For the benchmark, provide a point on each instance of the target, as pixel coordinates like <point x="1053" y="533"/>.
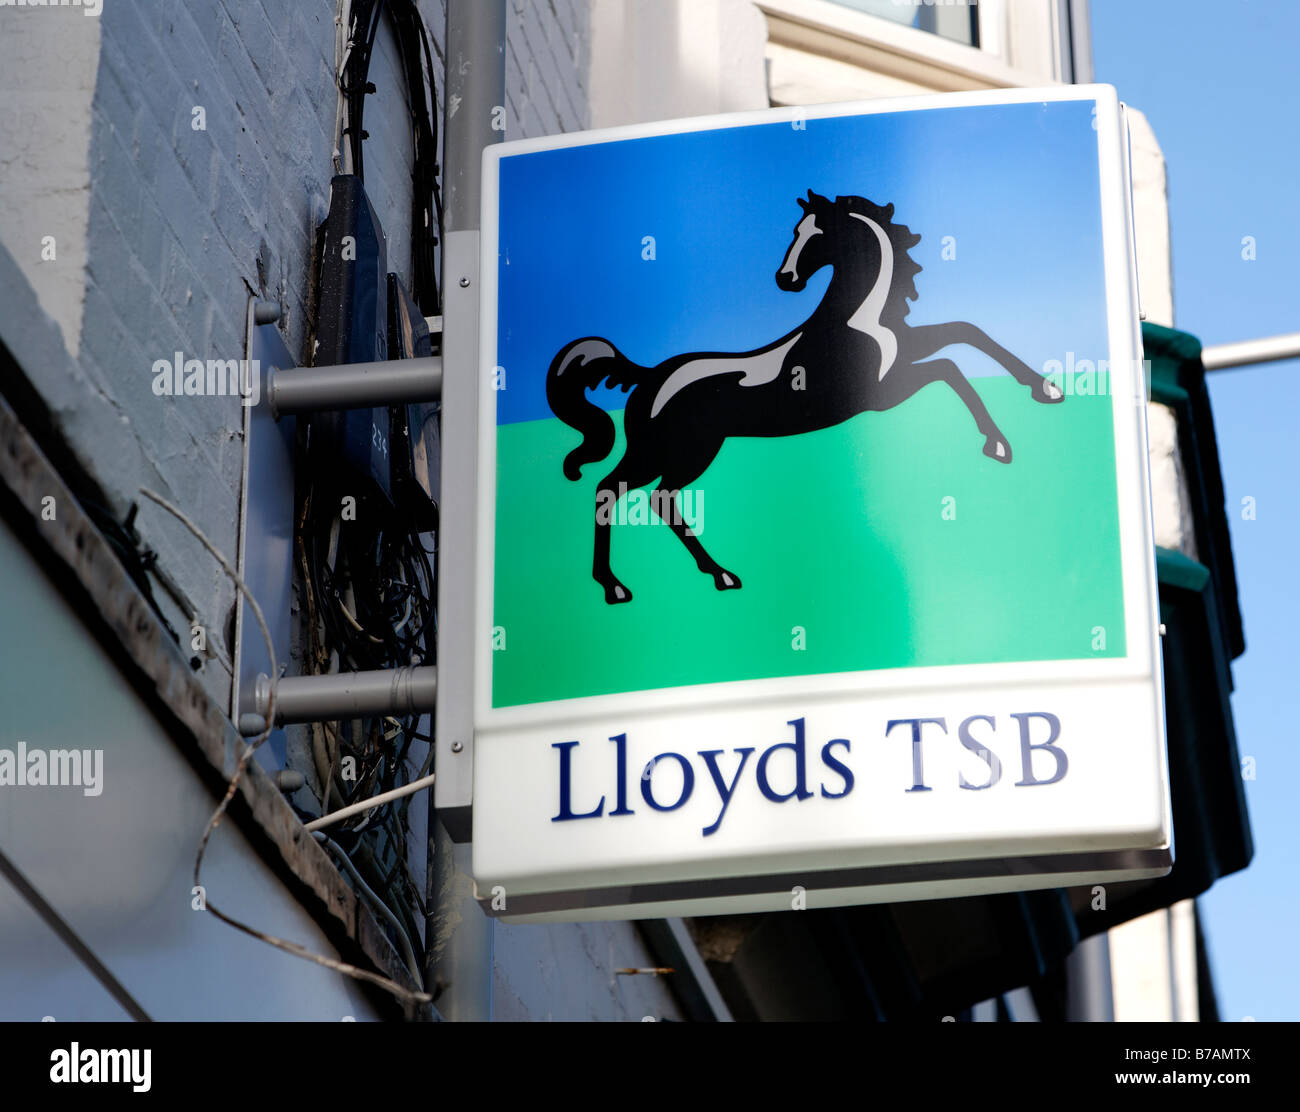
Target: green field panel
<point x="888" y="541"/>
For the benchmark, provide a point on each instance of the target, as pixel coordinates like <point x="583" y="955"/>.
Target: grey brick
<point x="565" y="46"/>
<point x="183" y="294"/>
<point x="563" y="14"/>
<point x="245" y="86"/>
<point x="251" y="169"/>
<point x="208" y="18"/>
<point x="130" y="41"/>
<point x="150" y="237"/>
<point x="535" y="36"/>
<point x="116" y="352"/>
<point x="177" y="199"/>
<point x="113" y="265"/>
<point x="258" y="38"/>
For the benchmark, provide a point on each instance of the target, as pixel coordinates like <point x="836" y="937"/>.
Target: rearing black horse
<point x="855" y="353"/>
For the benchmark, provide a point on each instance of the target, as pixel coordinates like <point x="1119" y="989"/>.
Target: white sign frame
<point x="521" y="877"/>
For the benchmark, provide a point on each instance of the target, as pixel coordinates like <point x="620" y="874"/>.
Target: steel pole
<point x="475" y="96"/>
<point x="460" y="936"/>
<point x="1222" y="356"/>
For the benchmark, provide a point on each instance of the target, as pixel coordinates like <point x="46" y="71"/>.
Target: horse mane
<point x="902" y="288"/>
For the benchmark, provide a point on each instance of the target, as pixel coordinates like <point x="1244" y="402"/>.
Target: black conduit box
<point x="353" y="446"/>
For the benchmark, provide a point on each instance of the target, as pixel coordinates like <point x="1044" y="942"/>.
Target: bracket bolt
<point x="456" y="746"/>
<point x="464" y="282"/>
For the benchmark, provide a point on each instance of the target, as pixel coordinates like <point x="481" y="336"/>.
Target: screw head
<point x="464" y="282"/>
<point x="456" y="746"/>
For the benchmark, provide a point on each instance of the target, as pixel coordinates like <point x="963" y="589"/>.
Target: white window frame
<point x="994" y="22"/>
<point x="881" y="45"/>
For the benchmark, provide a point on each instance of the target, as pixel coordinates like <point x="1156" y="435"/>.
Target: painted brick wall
<point x="180" y="225"/>
<point x="547" y="59"/>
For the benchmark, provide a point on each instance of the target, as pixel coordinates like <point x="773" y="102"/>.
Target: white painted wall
<point x="1141" y="969"/>
<point x="1153" y="967"/>
<point x="1151" y="221"/>
<point x="119" y="866"/>
<point x="48" y="61"/>
<point x="667" y="59"/>
<point x="819" y="51"/>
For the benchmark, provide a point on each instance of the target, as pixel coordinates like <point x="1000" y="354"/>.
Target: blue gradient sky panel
<point x="1015" y="185"/>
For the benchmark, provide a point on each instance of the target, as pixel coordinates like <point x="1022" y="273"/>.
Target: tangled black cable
<point x="369" y="597"/>
<point x="422" y="97"/>
<point x="368" y="586"/>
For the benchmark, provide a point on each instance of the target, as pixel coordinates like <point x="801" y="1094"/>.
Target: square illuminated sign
<point x="815" y="552"/>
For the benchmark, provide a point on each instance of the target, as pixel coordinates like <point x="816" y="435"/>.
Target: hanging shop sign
<point x="815" y="551"/>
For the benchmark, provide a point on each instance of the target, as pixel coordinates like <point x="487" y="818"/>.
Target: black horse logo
<point x="855" y="353"/>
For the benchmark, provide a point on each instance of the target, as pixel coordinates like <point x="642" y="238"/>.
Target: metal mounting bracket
<point x="341" y="695"/>
<point x="354" y="385"/>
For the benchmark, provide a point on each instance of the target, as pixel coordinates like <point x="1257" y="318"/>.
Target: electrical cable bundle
<point x="369" y="592"/>
<point x="368" y="586"/>
<point x="416" y="56"/>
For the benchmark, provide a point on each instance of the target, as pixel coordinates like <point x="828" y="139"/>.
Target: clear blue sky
<point x="1217" y="80"/>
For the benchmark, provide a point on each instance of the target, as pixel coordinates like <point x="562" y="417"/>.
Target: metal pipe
<point x="1221" y="356"/>
<point x="461" y="946"/>
<point x="476" y="82"/>
<point x="354" y="385"/>
<point x="395" y="691"/>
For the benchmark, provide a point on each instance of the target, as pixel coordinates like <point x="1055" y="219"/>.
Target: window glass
<point x="952" y="19"/>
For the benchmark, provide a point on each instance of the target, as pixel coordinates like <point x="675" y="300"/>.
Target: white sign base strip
<point x="844" y="800"/>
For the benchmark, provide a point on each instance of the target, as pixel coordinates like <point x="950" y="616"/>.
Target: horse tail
<point x="577" y="368"/>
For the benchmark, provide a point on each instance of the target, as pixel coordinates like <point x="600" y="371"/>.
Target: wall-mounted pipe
<point x="354" y="385"/>
<point x="399" y="692"/>
<point x="1243" y="353"/>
